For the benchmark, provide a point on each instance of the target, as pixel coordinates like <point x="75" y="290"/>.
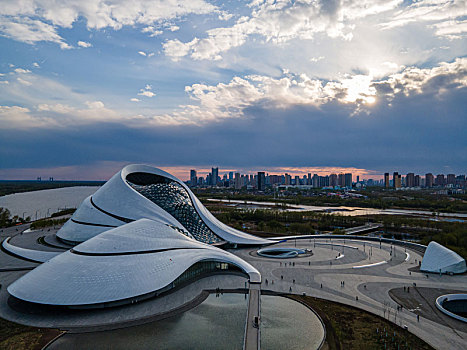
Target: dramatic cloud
<point x="29" y="30"/>
<point x="215" y="103"/>
<point x="287" y="83"/>
<point x="279" y="22"/>
<point x="452" y="29"/>
<point x="12" y="117"/>
<point x="439" y="80"/>
<point x="447" y="16"/>
<point x="31" y="21"/>
<point x="360" y="91"/>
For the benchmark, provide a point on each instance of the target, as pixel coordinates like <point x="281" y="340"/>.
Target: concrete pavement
<point x="369" y="271"/>
<point x="252" y="338"/>
<point x="321" y="275"/>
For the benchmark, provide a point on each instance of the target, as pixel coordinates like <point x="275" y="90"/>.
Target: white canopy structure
<point x="130" y="263"/>
<point x="440" y="259"/>
<point x="141" y="191"/>
<point x="142" y="233"/>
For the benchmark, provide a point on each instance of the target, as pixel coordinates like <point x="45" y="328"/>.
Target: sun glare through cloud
<point x="247" y="72"/>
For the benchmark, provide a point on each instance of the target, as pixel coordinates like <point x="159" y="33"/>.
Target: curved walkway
<point x="365" y="288"/>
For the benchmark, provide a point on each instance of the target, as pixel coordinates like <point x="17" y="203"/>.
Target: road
<point x="252" y="339"/>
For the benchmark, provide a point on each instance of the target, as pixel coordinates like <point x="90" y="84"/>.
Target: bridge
<point x="362" y="229"/>
<point x="252" y="337"/>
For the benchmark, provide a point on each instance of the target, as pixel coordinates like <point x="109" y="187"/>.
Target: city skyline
<point x="340" y="180"/>
<point x="183" y="172"/>
<point x="89" y="86"/>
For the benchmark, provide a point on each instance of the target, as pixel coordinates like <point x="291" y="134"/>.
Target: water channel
<point x="342" y="210"/>
<point x="44" y="202"/>
<point x="217" y="323"/>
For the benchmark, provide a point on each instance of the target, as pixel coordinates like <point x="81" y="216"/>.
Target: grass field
<point x="351" y="328"/>
<point x="14" y="336"/>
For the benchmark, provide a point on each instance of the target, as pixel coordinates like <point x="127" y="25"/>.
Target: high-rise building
<point x="460" y="181"/>
<point x="297" y="180"/>
<point x="238" y="181"/>
<point x="440" y="180"/>
<point x="214" y="176"/>
<point x="308" y="182"/>
<point x="416" y="181"/>
<point x="261" y="181"/>
<point x="429" y="180"/>
<point x="231" y="176"/>
<point x="410" y="180"/>
<point x="275" y="180"/>
<point x="315" y="181"/>
<point x="341" y="180"/>
<point x="348" y="180"/>
<point x="451" y="179"/>
<point x="333" y="180"/>
<point x="324" y="181"/>
<point x="396" y="180"/>
<point x="193" y="177"/>
<point x="386" y="180"/>
<point x="288" y="179"/>
<point x="358" y="178"/>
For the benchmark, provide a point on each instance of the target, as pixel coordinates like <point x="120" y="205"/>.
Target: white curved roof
<point x="438" y="258"/>
<point x="121" y="263"/>
<point x="89" y="214"/>
<point x="138" y="236"/>
<point x="118" y="198"/>
<point x="116" y="202"/>
<point x="75" y="232"/>
<point x="30" y="254"/>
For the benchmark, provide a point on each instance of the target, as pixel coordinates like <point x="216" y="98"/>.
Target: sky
<point x="368" y="86"/>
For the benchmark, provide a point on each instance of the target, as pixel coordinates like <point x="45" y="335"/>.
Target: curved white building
<point x="141" y="234"/>
<point x="438" y="258"/>
<point x="141" y="191"/>
<point x="130" y="263"/>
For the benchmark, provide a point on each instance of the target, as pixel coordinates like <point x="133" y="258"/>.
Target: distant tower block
<point x="386" y="180"/>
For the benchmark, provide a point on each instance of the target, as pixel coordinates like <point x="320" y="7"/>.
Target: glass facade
<point x="204" y="268"/>
<point x="173" y="198"/>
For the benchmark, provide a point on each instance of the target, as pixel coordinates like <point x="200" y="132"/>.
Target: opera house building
<point x="141" y="234"/>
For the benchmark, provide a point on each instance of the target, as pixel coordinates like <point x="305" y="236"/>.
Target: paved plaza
<point x="361" y="274"/>
<point x="352" y="272"/>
